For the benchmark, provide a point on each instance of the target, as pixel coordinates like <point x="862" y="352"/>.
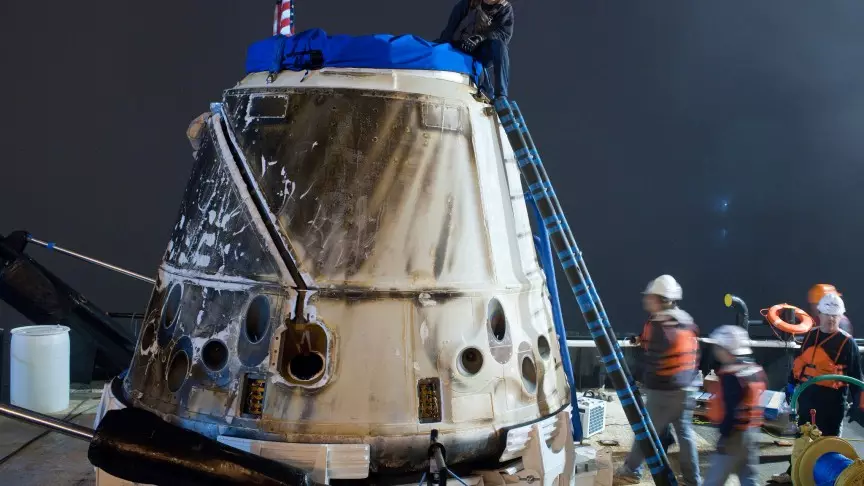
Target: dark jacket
<point x="501" y="16"/>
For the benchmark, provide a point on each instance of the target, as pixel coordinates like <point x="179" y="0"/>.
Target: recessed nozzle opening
<point x="304" y="354"/>
<point x="529" y="374"/>
<point x="470" y="361"/>
<point x="148" y="336"/>
<point x="543" y="347"/>
<point x="497" y="320"/>
<point x="214" y="355"/>
<point x="306" y="367"/>
<point x="178" y="369"/>
<point x="257" y="319"/>
<point x="172" y="306"/>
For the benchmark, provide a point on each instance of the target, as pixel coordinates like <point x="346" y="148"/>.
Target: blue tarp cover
<point x="368" y="51"/>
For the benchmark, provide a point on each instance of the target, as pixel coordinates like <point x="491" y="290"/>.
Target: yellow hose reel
<point x="808" y="450"/>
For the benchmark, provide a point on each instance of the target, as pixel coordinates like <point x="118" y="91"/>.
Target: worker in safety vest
<point x="815" y="295"/>
<point x="736" y="409"/>
<point x="483" y="28"/>
<point x="826" y="350"/>
<point x="669" y="339"/>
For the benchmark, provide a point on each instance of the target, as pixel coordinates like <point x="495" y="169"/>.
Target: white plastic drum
<point x="39" y="368"/>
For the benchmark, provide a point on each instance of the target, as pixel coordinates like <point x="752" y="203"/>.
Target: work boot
<point x="783" y="478"/>
<point x="625" y="476"/>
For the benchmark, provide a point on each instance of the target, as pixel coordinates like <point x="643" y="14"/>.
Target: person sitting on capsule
<point x="736" y="408"/>
<point x="815" y="295"/>
<point x="826" y="350"/>
<point x="483" y="28"/>
<point x="669" y="339"/>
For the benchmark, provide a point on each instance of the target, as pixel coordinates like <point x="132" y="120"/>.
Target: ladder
<point x="569" y="256"/>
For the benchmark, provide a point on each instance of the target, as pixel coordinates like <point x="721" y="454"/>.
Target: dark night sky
<point x="649" y="115"/>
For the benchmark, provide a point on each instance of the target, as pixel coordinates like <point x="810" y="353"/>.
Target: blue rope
<point x="829" y="467"/>
<point x="544" y="248"/>
<point x="422" y="478"/>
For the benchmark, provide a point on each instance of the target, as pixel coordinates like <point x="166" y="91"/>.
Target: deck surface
<point x="56" y="460"/>
<point x="774" y="459"/>
<point x="53" y="459"/>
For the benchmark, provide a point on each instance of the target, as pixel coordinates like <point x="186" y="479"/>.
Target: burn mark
<point x="352" y="295"/>
<point x="409" y="265"/>
<point x="443" y="238"/>
<point x="346" y="164"/>
<point x="308" y="408"/>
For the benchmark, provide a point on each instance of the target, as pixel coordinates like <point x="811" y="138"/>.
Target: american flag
<point x="283" y="22"/>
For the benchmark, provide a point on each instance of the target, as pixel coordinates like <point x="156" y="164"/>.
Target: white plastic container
<point x="699" y="380"/>
<point x="39" y="368"/>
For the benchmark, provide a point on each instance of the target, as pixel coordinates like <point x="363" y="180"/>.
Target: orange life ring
<point x="805" y="322"/>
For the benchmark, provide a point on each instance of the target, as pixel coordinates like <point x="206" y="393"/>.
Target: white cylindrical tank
<point x="39" y="370"/>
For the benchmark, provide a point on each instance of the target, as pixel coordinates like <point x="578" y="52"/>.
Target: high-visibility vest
<point x="678" y="352"/>
<point x="749" y="413"/>
<point x="815" y="361"/>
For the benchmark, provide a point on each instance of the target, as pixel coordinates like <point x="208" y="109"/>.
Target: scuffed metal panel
<point x="267" y="107"/>
<point x="444" y="117"/>
<point x="215" y="233"/>
<point x="377" y="385"/>
<point x="206" y="312"/>
<point x="530" y="264"/>
<point x="365" y="192"/>
<point x="499" y="211"/>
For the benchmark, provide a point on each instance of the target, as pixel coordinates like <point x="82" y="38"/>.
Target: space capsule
<point x="352" y="270"/>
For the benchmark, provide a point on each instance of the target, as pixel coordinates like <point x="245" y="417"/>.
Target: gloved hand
<point x="471" y="43"/>
<point x="790" y="390"/>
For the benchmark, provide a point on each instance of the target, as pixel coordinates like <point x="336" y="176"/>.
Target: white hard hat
<point x="665" y="286"/>
<point x="831" y="305"/>
<point x="733" y="339"/>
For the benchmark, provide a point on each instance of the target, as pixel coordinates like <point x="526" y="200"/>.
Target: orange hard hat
<point x="820" y="290"/>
